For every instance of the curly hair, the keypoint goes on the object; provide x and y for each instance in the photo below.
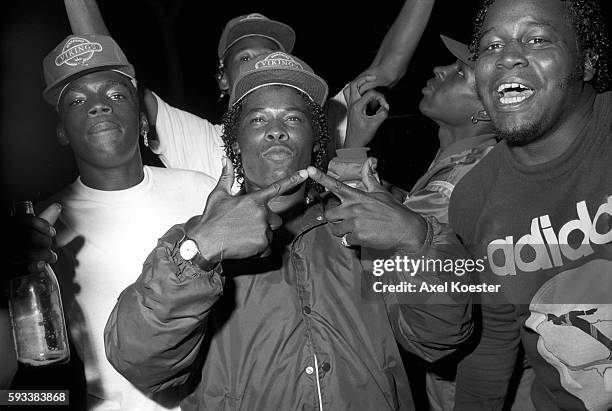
(589, 22)
(231, 121)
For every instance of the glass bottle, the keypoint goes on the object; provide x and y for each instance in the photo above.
(37, 316)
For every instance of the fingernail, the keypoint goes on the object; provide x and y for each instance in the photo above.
(303, 173)
(224, 161)
(54, 256)
(53, 232)
(59, 206)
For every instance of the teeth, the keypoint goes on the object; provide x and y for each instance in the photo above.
(505, 86)
(516, 99)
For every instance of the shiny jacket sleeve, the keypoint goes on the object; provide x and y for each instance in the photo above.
(155, 331)
(433, 319)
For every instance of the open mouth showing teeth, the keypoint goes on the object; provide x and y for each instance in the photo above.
(512, 93)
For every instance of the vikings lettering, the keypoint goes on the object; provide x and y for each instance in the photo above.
(77, 54)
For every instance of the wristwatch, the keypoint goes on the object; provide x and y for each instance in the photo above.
(189, 251)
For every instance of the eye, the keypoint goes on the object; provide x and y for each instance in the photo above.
(494, 46)
(117, 96)
(294, 118)
(76, 101)
(245, 58)
(256, 120)
(460, 72)
(536, 40)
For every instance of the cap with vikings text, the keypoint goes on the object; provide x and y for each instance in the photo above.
(255, 24)
(459, 50)
(78, 55)
(278, 68)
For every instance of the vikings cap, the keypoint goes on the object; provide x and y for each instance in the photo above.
(282, 69)
(78, 55)
(255, 24)
(459, 50)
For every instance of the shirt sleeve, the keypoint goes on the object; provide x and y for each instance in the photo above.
(432, 319)
(157, 326)
(337, 117)
(187, 141)
(483, 377)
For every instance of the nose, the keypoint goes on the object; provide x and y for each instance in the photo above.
(443, 71)
(99, 109)
(440, 72)
(276, 131)
(512, 56)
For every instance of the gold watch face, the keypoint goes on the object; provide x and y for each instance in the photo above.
(188, 249)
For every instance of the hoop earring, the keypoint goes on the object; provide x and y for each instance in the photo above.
(481, 115)
(145, 138)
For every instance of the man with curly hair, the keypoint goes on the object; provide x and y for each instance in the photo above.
(539, 206)
(283, 323)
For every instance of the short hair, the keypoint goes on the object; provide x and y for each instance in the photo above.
(588, 20)
(231, 120)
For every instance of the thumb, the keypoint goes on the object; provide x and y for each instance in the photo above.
(226, 180)
(369, 176)
(51, 213)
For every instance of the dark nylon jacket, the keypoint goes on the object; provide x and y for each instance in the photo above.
(268, 327)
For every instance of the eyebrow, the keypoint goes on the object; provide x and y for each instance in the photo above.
(545, 23)
(292, 108)
(107, 83)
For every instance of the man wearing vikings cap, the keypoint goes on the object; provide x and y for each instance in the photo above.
(114, 211)
(265, 310)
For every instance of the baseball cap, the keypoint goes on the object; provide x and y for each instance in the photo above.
(458, 49)
(255, 24)
(278, 68)
(78, 55)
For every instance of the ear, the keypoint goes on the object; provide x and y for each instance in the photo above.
(236, 147)
(590, 65)
(143, 123)
(62, 137)
(222, 81)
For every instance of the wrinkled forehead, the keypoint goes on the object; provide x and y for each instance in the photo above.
(510, 15)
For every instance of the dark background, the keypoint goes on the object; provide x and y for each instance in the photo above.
(173, 44)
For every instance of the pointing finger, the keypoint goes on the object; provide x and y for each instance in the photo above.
(343, 191)
(280, 187)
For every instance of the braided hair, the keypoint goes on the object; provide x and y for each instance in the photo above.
(588, 20)
(231, 122)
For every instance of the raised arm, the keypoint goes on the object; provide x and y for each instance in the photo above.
(397, 47)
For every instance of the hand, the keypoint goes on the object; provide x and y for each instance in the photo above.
(31, 240)
(371, 219)
(361, 126)
(236, 227)
(369, 79)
